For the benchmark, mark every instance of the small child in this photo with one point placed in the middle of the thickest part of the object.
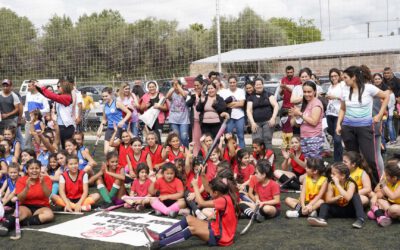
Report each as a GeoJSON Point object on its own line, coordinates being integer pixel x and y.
{"type": "Point", "coordinates": [267, 193]}
{"type": "Point", "coordinates": [26, 155]}
{"type": "Point", "coordinates": [261, 152]}
{"type": "Point", "coordinates": [138, 156]}
{"type": "Point", "coordinates": [74, 189]}
{"type": "Point", "coordinates": [246, 169]}
{"type": "Point", "coordinates": [36, 121]}
{"type": "Point", "coordinates": [342, 199]}
{"type": "Point", "coordinates": [312, 191]}
{"type": "Point", "coordinates": [7, 152]}
{"type": "Point", "coordinates": [3, 166]}
{"type": "Point", "coordinates": [139, 195]}
{"type": "Point", "coordinates": [385, 205]}
{"type": "Point", "coordinates": [9, 134]}
{"type": "Point", "coordinates": [206, 141]}
{"type": "Point", "coordinates": [44, 154]}
{"type": "Point", "coordinates": [287, 129]}
{"type": "Point", "coordinates": [173, 148]}
{"type": "Point", "coordinates": [54, 172]}
{"type": "Point", "coordinates": [356, 165]}
{"type": "Point", "coordinates": [154, 149]}
{"type": "Point", "coordinates": [9, 185]}
{"type": "Point", "coordinates": [170, 190]}
{"type": "Point", "coordinates": [123, 146]}
{"type": "Point", "coordinates": [230, 151]}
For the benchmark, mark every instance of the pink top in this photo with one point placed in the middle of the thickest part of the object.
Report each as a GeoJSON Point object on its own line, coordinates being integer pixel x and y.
{"type": "Point", "coordinates": [146, 99]}
{"type": "Point", "coordinates": [307, 130]}
{"type": "Point", "coordinates": [210, 114]}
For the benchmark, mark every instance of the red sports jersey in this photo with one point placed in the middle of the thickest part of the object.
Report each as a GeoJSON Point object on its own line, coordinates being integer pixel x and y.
{"type": "Point", "coordinates": [155, 156]}
{"type": "Point", "coordinates": [267, 191]}
{"type": "Point", "coordinates": [231, 160]}
{"type": "Point", "coordinates": [297, 169]}
{"type": "Point", "coordinates": [172, 156]}
{"type": "Point", "coordinates": [122, 153]}
{"type": "Point", "coordinates": [189, 178]}
{"type": "Point", "coordinates": [172, 187]}
{"type": "Point", "coordinates": [211, 171]}
{"type": "Point", "coordinates": [74, 188]}
{"type": "Point", "coordinates": [267, 156]}
{"type": "Point", "coordinates": [109, 180]}
{"type": "Point", "coordinates": [35, 195]}
{"type": "Point", "coordinates": [225, 219]}
{"type": "Point", "coordinates": [246, 172]}
{"type": "Point", "coordinates": [135, 161]}
{"type": "Point", "coordinates": [141, 189]}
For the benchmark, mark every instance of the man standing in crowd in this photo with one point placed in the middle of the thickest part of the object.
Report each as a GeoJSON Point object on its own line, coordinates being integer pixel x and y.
{"type": "Point", "coordinates": [9, 106]}
{"type": "Point", "coordinates": [86, 107]}
{"type": "Point", "coordinates": [394, 83]}
{"type": "Point", "coordinates": [287, 84]}
{"type": "Point", "coordinates": [34, 100]}
{"type": "Point", "coordinates": [234, 98]}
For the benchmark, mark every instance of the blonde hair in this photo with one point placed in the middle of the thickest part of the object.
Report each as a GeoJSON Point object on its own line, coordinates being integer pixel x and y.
{"type": "Point", "coordinates": [121, 89]}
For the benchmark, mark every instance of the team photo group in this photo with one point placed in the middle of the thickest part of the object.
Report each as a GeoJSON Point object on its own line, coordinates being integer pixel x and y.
{"type": "Point", "coordinates": [216, 163]}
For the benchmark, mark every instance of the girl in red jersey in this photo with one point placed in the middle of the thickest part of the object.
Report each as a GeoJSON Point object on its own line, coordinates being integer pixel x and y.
{"type": "Point", "coordinates": [231, 148]}
{"type": "Point", "coordinates": [296, 159]}
{"type": "Point", "coordinates": [123, 146]}
{"type": "Point", "coordinates": [154, 149]}
{"type": "Point", "coordinates": [138, 156]}
{"type": "Point", "coordinates": [260, 152]}
{"type": "Point", "coordinates": [86, 162]}
{"type": "Point", "coordinates": [246, 169]}
{"type": "Point", "coordinates": [266, 193]}
{"type": "Point", "coordinates": [33, 191]}
{"type": "Point", "coordinates": [219, 232]}
{"type": "Point", "coordinates": [206, 141]}
{"type": "Point", "coordinates": [173, 148]}
{"type": "Point", "coordinates": [110, 180]}
{"type": "Point", "coordinates": [74, 189]}
{"type": "Point", "coordinates": [139, 189]}
{"type": "Point", "coordinates": [170, 190]}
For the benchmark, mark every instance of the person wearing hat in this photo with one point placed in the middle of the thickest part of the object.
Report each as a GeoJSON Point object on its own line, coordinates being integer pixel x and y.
{"type": "Point", "coordinates": [9, 106]}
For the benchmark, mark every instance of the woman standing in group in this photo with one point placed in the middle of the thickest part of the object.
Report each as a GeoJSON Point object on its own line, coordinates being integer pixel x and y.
{"type": "Point", "coordinates": [152, 99]}
{"type": "Point", "coordinates": [195, 115]}
{"type": "Point", "coordinates": [262, 109]}
{"type": "Point", "coordinates": [355, 115]}
{"type": "Point", "coordinates": [131, 102]}
{"type": "Point", "coordinates": [64, 107]}
{"type": "Point", "coordinates": [211, 108]}
{"type": "Point", "coordinates": [334, 95]}
{"type": "Point", "coordinates": [112, 115]}
{"type": "Point", "coordinates": [310, 119]}
{"type": "Point", "coordinates": [179, 112]}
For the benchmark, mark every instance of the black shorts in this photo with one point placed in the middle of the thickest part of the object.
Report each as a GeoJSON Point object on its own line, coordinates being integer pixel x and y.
{"type": "Point", "coordinates": [168, 203]}
{"type": "Point", "coordinates": [33, 208]}
{"type": "Point", "coordinates": [74, 200]}
{"type": "Point", "coordinates": [213, 240]}
{"type": "Point", "coordinates": [110, 132]}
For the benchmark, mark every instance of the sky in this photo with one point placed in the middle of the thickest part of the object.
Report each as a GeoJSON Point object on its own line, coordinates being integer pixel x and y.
{"type": "Point", "coordinates": [348, 18]}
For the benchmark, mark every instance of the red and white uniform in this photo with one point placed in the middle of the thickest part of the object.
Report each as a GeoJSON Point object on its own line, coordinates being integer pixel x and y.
{"type": "Point", "coordinates": [231, 160]}
{"type": "Point", "coordinates": [156, 157]}
{"type": "Point", "coordinates": [74, 188]}
{"type": "Point", "coordinates": [269, 155]}
{"type": "Point", "coordinates": [172, 156]}
{"type": "Point", "coordinates": [122, 153]}
{"type": "Point", "coordinates": [135, 161]}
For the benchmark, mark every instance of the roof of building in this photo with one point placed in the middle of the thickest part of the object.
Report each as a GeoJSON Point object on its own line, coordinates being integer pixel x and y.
{"type": "Point", "coordinates": [309, 50]}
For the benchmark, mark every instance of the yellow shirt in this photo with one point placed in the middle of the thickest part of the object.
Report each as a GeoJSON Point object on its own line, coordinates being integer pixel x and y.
{"type": "Point", "coordinates": [87, 101]}
{"type": "Point", "coordinates": [313, 187]}
{"type": "Point", "coordinates": [356, 175]}
{"type": "Point", "coordinates": [342, 201]}
{"type": "Point", "coordinates": [393, 188]}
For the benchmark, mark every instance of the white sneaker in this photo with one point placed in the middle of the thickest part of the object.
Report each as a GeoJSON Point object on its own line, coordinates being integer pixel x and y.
{"type": "Point", "coordinates": [292, 214]}
{"type": "Point", "coordinates": [313, 214]}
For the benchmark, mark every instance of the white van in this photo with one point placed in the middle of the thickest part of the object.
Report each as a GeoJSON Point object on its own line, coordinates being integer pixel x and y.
{"type": "Point", "coordinates": [44, 82]}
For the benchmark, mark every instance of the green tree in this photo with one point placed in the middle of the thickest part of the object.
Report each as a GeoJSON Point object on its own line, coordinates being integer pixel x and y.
{"type": "Point", "coordinates": [303, 31]}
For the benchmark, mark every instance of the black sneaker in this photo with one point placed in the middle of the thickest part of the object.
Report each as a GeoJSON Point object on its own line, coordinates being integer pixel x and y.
{"type": "Point", "coordinates": [259, 217]}
{"type": "Point", "coordinates": [317, 222]}
{"type": "Point", "coordinates": [173, 214]}
{"type": "Point", "coordinates": [3, 230]}
{"type": "Point", "coordinates": [359, 223]}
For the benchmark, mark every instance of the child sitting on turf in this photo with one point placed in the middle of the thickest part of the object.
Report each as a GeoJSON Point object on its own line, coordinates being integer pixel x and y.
{"type": "Point", "coordinates": [173, 148]}
{"type": "Point", "coordinates": [260, 152]}
{"type": "Point", "coordinates": [356, 165]}
{"type": "Point", "coordinates": [312, 191]}
{"type": "Point", "coordinates": [139, 195]}
{"type": "Point", "coordinates": [154, 149]}
{"type": "Point", "coordinates": [246, 169]}
{"type": "Point", "coordinates": [3, 166]}
{"type": "Point", "coordinates": [110, 181]}
{"type": "Point", "coordinates": [206, 141]}
{"type": "Point", "coordinates": [139, 155]}
{"type": "Point", "coordinates": [74, 189]}
{"type": "Point", "coordinates": [26, 155]}
{"type": "Point", "coordinates": [230, 151]}
{"type": "Point", "coordinates": [267, 193]}
{"type": "Point", "coordinates": [7, 152]}
{"type": "Point", "coordinates": [7, 190]}
{"type": "Point", "coordinates": [54, 172]}
{"type": "Point", "coordinates": [9, 134]}
{"type": "Point", "coordinates": [342, 199]}
{"type": "Point", "coordinates": [385, 204]}
{"type": "Point", "coordinates": [170, 192]}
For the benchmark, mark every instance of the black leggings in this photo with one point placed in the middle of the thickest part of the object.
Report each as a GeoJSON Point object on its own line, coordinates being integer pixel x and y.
{"type": "Point", "coordinates": [354, 209]}
{"type": "Point", "coordinates": [211, 128]}
{"type": "Point", "coordinates": [66, 133]}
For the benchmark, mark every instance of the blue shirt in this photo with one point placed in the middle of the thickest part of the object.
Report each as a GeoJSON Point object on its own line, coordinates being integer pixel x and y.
{"type": "Point", "coordinates": [113, 114]}
{"type": "Point", "coordinates": [44, 158]}
{"type": "Point", "coordinates": [82, 161]}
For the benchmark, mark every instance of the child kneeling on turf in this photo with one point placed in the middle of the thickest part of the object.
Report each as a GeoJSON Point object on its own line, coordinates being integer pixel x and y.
{"type": "Point", "coordinates": [267, 193]}
{"type": "Point", "coordinates": [312, 191]}
{"type": "Point", "coordinates": [74, 189]}
{"type": "Point", "coordinates": [139, 196]}
{"type": "Point", "coordinates": [342, 199]}
{"type": "Point", "coordinates": [387, 206]}
{"type": "Point", "coordinates": [219, 232]}
{"type": "Point", "coordinates": [170, 190]}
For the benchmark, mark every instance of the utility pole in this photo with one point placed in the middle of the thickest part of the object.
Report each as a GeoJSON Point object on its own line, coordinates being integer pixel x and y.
{"type": "Point", "coordinates": [218, 39]}
{"type": "Point", "coordinates": [368, 23]}
{"type": "Point", "coordinates": [329, 19]}
{"type": "Point", "coordinates": [320, 15]}
{"type": "Point", "coordinates": [387, 17]}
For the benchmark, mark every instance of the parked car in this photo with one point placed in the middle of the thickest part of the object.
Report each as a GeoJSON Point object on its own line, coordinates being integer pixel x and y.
{"type": "Point", "coordinates": [44, 82]}
{"type": "Point", "coordinates": [96, 113]}
{"type": "Point", "coordinates": [94, 91]}
{"type": "Point", "coordinates": [397, 74]}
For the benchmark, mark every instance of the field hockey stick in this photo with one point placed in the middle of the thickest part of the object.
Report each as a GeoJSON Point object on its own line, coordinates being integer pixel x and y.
{"type": "Point", "coordinates": [253, 217]}
{"type": "Point", "coordinates": [216, 140]}
{"type": "Point", "coordinates": [95, 146]}
{"type": "Point", "coordinates": [111, 208]}
{"type": "Point", "coordinates": [71, 213]}
{"type": "Point", "coordinates": [290, 191]}
{"type": "Point", "coordinates": [17, 226]}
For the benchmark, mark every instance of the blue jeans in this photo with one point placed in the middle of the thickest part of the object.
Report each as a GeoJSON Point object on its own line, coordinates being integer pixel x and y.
{"type": "Point", "coordinates": [337, 139]}
{"type": "Point", "coordinates": [237, 124]}
{"type": "Point", "coordinates": [19, 137]}
{"type": "Point", "coordinates": [183, 132]}
{"type": "Point", "coordinates": [135, 128]}
{"type": "Point", "coordinates": [389, 124]}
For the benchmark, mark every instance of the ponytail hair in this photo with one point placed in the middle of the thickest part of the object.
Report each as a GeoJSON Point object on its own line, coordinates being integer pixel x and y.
{"type": "Point", "coordinates": [344, 170]}
{"type": "Point", "coordinates": [359, 161]}
{"type": "Point", "coordinates": [362, 75]}
{"type": "Point", "coordinates": [226, 187]}
{"type": "Point", "coordinates": [392, 169]}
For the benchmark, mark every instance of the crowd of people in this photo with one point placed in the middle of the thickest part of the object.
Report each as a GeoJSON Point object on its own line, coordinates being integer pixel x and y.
{"type": "Point", "coordinates": [211, 180]}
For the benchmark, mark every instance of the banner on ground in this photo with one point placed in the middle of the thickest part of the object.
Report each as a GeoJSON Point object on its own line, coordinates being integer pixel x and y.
{"type": "Point", "coordinates": [115, 227]}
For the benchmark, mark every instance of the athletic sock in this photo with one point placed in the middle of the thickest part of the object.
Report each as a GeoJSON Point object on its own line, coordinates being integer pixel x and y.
{"type": "Point", "coordinates": [174, 207]}
{"type": "Point", "coordinates": [9, 222]}
{"type": "Point", "coordinates": [114, 190]}
{"type": "Point", "coordinates": [176, 238]}
{"type": "Point", "coordinates": [34, 220]}
{"type": "Point", "coordinates": [103, 192]}
{"type": "Point", "coordinates": [298, 207]}
{"type": "Point", "coordinates": [175, 228]}
{"type": "Point", "coordinates": [159, 206]}
{"type": "Point", "coordinates": [246, 210]}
